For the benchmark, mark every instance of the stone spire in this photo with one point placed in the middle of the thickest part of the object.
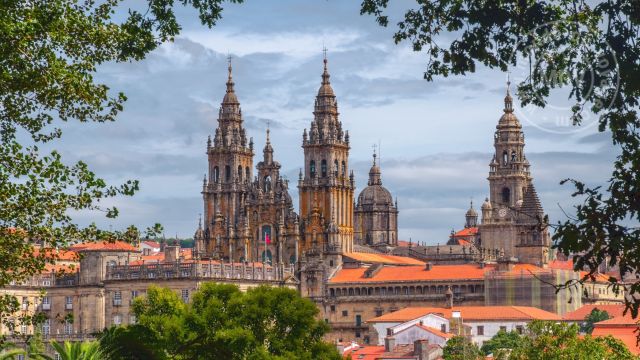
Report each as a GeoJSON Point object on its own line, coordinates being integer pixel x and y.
{"type": "Point", "coordinates": [375, 173]}
{"type": "Point", "coordinates": [531, 206]}
{"type": "Point", "coordinates": [230, 96]}
{"type": "Point", "coordinates": [268, 149]}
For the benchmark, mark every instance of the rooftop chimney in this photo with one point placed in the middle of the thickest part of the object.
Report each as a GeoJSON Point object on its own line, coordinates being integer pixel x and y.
{"type": "Point", "coordinates": [389, 343]}
{"type": "Point", "coordinates": [428, 266]}
{"type": "Point", "coordinates": [171, 253]}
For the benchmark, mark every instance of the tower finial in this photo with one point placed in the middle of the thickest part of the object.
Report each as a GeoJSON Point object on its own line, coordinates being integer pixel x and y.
{"type": "Point", "coordinates": [199, 221]}
{"type": "Point", "coordinates": [374, 154]}
{"type": "Point", "coordinates": [508, 101]}
{"type": "Point", "coordinates": [268, 130]}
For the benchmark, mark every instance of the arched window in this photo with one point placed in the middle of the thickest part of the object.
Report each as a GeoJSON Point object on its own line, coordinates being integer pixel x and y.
{"type": "Point", "coordinates": [239, 173]}
{"type": "Point", "coordinates": [506, 195]}
{"type": "Point", "coordinates": [323, 168]}
{"type": "Point", "coordinates": [513, 156]}
{"type": "Point", "coordinates": [505, 158]}
{"type": "Point", "coordinates": [247, 174]}
{"type": "Point", "coordinates": [335, 168]}
{"type": "Point", "coordinates": [344, 169]}
{"type": "Point", "coordinates": [227, 173]}
{"type": "Point", "coordinates": [312, 168]}
{"type": "Point", "coordinates": [216, 175]}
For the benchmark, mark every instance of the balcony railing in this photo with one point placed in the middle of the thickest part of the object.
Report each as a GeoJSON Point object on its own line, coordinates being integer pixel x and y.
{"type": "Point", "coordinates": [201, 270]}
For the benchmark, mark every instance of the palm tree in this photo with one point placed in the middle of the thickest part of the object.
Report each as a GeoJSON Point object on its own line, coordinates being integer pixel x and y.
{"type": "Point", "coordinates": [11, 354]}
{"type": "Point", "coordinates": [78, 350]}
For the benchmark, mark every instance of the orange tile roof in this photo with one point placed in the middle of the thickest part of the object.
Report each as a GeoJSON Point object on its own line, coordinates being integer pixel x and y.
{"type": "Point", "coordinates": [472, 231]}
{"type": "Point", "coordinates": [614, 311]}
{"type": "Point", "coordinates": [412, 273]}
{"type": "Point", "coordinates": [59, 255]}
{"type": "Point", "coordinates": [471, 313]}
{"type": "Point", "coordinates": [378, 353]}
{"type": "Point", "coordinates": [622, 328]}
{"type": "Point", "coordinates": [383, 258]}
{"type": "Point", "coordinates": [61, 268]}
{"type": "Point", "coordinates": [104, 246]}
{"type": "Point", "coordinates": [561, 264]}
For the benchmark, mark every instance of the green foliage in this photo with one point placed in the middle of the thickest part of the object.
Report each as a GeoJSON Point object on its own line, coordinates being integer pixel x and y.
{"type": "Point", "coordinates": [556, 40]}
{"type": "Point", "coordinates": [461, 348]}
{"type": "Point", "coordinates": [49, 56]}
{"type": "Point", "coordinates": [548, 340]}
{"type": "Point", "coordinates": [78, 350]}
{"type": "Point", "coordinates": [9, 352]}
{"type": "Point", "coordinates": [596, 315]}
{"type": "Point", "coordinates": [501, 343]}
{"type": "Point", "coordinates": [221, 322]}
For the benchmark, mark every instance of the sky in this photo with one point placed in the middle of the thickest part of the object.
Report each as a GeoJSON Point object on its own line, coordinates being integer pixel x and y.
{"type": "Point", "coordinates": [436, 138]}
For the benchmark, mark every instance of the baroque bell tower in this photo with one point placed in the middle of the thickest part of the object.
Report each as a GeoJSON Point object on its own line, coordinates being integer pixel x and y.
{"type": "Point", "coordinates": [230, 172]}
{"type": "Point", "coordinates": [326, 188]}
{"type": "Point", "coordinates": [512, 217]}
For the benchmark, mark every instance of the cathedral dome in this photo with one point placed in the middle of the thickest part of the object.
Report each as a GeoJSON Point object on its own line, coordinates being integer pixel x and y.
{"type": "Point", "coordinates": [375, 193]}
{"type": "Point", "coordinates": [471, 212]}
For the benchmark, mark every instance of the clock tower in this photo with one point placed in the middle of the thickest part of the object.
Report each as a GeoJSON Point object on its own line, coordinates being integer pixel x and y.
{"type": "Point", "coordinates": [512, 210]}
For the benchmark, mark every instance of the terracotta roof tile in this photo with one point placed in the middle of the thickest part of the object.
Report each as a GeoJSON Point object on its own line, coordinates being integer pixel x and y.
{"type": "Point", "coordinates": [104, 246]}
{"type": "Point", "coordinates": [412, 273]}
{"type": "Point", "coordinates": [471, 231]}
{"type": "Point", "coordinates": [614, 311]}
{"type": "Point", "coordinates": [622, 328]}
{"type": "Point", "coordinates": [468, 313]}
{"type": "Point", "coordinates": [383, 258]}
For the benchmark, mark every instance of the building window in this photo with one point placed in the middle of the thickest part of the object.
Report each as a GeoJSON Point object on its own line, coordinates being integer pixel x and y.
{"type": "Point", "coordinates": [117, 298]}
{"type": "Point", "coordinates": [443, 328]}
{"type": "Point", "coordinates": [312, 168]}
{"type": "Point", "coordinates": [333, 308]}
{"type": "Point", "coordinates": [23, 329]}
{"type": "Point", "coordinates": [25, 303]}
{"type": "Point", "coordinates": [68, 302]}
{"type": "Point", "coordinates": [117, 319]}
{"type": "Point", "coordinates": [216, 175]}
{"type": "Point", "coordinates": [480, 330]}
{"type": "Point", "coordinates": [336, 168]}
{"type": "Point", "coordinates": [46, 283]}
{"type": "Point", "coordinates": [56, 356]}
{"type": "Point", "coordinates": [68, 328]}
{"type": "Point", "coordinates": [358, 320]}
{"type": "Point", "coordinates": [132, 319]}
{"type": "Point", "coordinates": [503, 328]}
{"type": "Point", "coordinates": [185, 295]}
{"type": "Point", "coordinates": [519, 329]}
{"type": "Point", "coordinates": [379, 312]}
{"type": "Point", "coordinates": [344, 169]}
{"type": "Point", "coordinates": [323, 167]}
{"type": "Point", "coordinates": [46, 327]}
{"type": "Point", "coordinates": [358, 333]}
{"type": "Point", "coordinates": [345, 313]}
{"type": "Point", "coordinates": [227, 173]}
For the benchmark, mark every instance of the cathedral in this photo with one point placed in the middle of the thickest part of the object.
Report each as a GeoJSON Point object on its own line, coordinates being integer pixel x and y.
{"type": "Point", "coordinates": [251, 217]}
{"type": "Point", "coordinates": [249, 214]}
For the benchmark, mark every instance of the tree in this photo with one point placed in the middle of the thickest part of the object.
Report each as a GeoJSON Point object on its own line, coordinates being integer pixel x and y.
{"type": "Point", "coordinates": [501, 344]}
{"type": "Point", "coordinates": [49, 55]}
{"type": "Point", "coordinates": [78, 350]}
{"type": "Point", "coordinates": [556, 40]}
{"type": "Point", "coordinates": [461, 348]}
{"type": "Point", "coordinates": [596, 315]}
{"type": "Point", "coordinates": [548, 340]}
{"type": "Point", "coordinates": [222, 322]}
